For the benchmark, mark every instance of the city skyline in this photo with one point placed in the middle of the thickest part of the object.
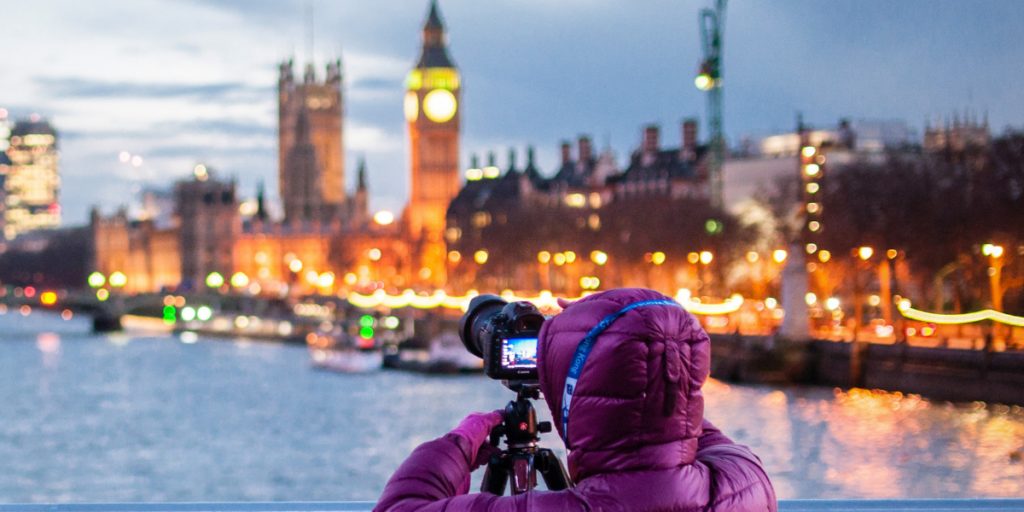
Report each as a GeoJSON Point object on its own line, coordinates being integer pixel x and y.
{"type": "Point", "coordinates": [207, 94]}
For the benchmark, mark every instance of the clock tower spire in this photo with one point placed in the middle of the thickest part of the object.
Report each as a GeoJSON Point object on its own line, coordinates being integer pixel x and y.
{"type": "Point", "coordinates": [433, 92]}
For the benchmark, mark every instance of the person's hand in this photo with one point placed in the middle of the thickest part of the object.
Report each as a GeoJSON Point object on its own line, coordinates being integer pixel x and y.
{"type": "Point", "coordinates": [475, 428]}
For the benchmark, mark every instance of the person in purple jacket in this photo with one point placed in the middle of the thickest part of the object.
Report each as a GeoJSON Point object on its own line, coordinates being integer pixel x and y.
{"type": "Point", "coordinates": [635, 430]}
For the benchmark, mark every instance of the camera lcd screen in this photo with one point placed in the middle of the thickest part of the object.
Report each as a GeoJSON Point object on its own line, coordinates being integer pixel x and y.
{"type": "Point", "coordinates": [519, 353]}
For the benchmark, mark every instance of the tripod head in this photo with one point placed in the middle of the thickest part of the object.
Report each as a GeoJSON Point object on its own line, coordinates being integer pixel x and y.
{"type": "Point", "coordinates": [519, 419]}
{"type": "Point", "coordinates": [521, 459]}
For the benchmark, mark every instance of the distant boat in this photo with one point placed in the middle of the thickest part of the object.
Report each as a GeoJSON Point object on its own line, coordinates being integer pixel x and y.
{"type": "Point", "coordinates": [340, 351]}
{"type": "Point", "coordinates": [347, 361]}
{"type": "Point", "coordinates": [445, 355]}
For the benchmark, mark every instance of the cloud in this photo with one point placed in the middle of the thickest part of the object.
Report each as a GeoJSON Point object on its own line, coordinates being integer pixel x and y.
{"type": "Point", "coordinates": [70, 87]}
{"type": "Point", "coordinates": [233, 127]}
{"type": "Point", "coordinates": [163, 131]}
{"type": "Point", "coordinates": [194, 150]}
{"type": "Point", "coordinates": [368, 138]}
{"type": "Point", "coordinates": [375, 83]}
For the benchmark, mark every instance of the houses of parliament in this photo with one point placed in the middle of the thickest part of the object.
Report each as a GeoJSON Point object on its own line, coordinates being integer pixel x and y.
{"type": "Point", "coordinates": [327, 237]}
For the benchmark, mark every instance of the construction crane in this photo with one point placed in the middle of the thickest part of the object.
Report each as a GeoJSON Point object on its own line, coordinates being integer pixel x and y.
{"type": "Point", "coordinates": [709, 80]}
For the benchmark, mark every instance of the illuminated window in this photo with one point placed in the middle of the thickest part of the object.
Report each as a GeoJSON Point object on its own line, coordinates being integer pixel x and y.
{"type": "Point", "coordinates": [481, 219]}
{"type": "Point", "coordinates": [576, 200]}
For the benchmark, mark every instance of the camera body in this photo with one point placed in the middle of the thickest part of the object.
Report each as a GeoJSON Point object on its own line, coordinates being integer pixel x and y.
{"type": "Point", "coordinates": [504, 334]}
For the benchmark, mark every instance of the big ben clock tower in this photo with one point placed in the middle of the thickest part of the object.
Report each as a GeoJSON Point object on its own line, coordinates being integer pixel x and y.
{"type": "Point", "coordinates": [432, 111]}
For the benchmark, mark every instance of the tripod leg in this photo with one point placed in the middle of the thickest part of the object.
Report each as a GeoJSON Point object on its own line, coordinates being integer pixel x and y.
{"type": "Point", "coordinates": [556, 478]}
{"type": "Point", "coordinates": [524, 475]}
{"type": "Point", "coordinates": [495, 477]}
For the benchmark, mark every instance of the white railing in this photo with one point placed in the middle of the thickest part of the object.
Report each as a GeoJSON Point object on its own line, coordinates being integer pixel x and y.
{"type": "Point", "coordinates": [933, 505]}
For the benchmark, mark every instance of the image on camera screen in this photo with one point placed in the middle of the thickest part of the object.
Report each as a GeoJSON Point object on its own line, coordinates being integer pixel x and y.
{"type": "Point", "coordinates": [519, 353]}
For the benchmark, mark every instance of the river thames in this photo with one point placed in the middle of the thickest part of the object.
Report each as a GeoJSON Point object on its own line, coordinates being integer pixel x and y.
{"type": "Point", "coordinates": [134, 417]}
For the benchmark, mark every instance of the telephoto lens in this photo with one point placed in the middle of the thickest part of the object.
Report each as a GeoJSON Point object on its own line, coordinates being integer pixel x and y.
{"type": "Point", "coordinates": [476, 327]}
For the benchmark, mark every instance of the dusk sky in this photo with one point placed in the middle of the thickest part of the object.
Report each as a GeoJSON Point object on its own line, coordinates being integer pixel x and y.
{"type": "Point", "coordinates": [186, 82]}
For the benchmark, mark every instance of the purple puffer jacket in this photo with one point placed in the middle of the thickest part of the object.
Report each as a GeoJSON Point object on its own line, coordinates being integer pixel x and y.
{"type": "Point", "coordinates": [637, 433]}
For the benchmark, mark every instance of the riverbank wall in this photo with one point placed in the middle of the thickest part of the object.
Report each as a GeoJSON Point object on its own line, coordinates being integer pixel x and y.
{"type": "Point", "coordinates": [937, 373]}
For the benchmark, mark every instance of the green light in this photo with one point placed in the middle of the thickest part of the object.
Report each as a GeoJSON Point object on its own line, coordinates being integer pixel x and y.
{"type": "Point", "coordinates": [366, 333]}
{"type": "Point", "coordinates": [366, 321]}
{"type": "Point", "coordinates": [96, 280]}
{"type": "Point", "coordinates": [713, 226]}
{"type": "Point", "coordinates": [170, 315]}
{"type": "Point", "coordinates": [214, 280]}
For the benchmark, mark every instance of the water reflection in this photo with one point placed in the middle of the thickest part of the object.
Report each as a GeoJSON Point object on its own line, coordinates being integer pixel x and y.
{"type": "Point", "coordinates": [874, 444]}
{"type": "Point", "coordinates": [99, 419]}
{"type": "Point", "coordinates": [48, 344]}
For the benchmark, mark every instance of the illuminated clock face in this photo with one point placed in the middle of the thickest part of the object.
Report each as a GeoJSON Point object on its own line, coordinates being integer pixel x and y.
{"type": "Point", "coordinates": [412, 107]}
{"type": "Point", "coordinates": [439, 105]}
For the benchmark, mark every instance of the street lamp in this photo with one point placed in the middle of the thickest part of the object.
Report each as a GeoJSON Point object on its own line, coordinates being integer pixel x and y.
{"type": "Point", "coordinates": [865, 252]}
{"type": "Point", "coordinates": [995, 270]}
{"type": "Point", "coordinates": [239, 280]}
{"type": "Point", "coordinates": [96, 280]}
{"type": "Point", "coordinates": [118, 279]}
{"type": "Point", "coordinates": [213, 280]}
{"type": "Point", "coordinates": [544, 270]}
{"type": "Point", "coordinates": [706, 257]}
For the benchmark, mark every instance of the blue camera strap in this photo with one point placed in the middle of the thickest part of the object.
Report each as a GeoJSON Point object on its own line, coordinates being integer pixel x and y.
{"type": "Point", "coordinates": [583, 351]}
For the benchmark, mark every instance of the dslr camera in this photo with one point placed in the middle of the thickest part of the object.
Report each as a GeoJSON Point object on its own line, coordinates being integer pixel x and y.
{"type": "Point", "coordinates": [504, 334]}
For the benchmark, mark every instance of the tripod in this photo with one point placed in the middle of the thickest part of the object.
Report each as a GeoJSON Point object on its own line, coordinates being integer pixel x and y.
{"type": "Point", "coordinates": [522, 459]}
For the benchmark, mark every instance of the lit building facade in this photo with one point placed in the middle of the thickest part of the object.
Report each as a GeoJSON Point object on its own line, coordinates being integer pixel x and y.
{"type": "Point", "coordinates": [957, 135]}
{"type": "Point", "coordinates": [32, 184]}
{"type": "Point", "coordinates": [432, 111]}
{"type": "Point", "coordinates": [280, 259]}
{"type": "Point", "coordinates": [311, 163]}
{"type": "Point", "coordinates": [5, 168]}
{"type": "Point", "coordinates": [207, 210]}
{"type": "Point", "coordinates": [328, 240]}
{"type": "Point", "coordinates": [147, 254]}
{"type": "Point", "coordinates": [614, 226]}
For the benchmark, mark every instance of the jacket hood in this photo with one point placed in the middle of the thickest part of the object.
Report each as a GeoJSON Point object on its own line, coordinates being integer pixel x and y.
{"type": "Point", "coordinates": [638, 402]}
